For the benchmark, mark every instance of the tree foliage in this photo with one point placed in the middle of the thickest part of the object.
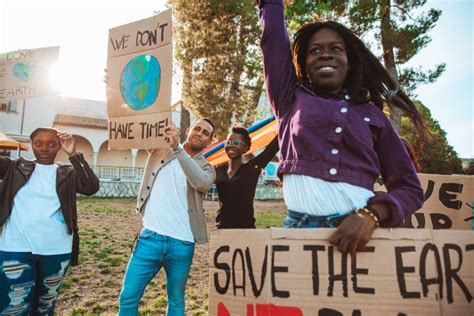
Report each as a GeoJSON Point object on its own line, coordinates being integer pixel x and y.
{"type": "Point", "coordinates": [187, 19]}
{"type": "Point", "coordinates": [217, 47]}
{"type": "Point", "coordinates": [437, 156]}
{"type": "Point", "coordinates": [402, 35]}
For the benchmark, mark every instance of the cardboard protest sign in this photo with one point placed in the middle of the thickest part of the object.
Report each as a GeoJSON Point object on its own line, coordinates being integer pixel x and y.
{"type": "Point", "coordinates": [448, 202]}
{"type": "Point", "coordinates": [295, 272]}
{"type": "Point", "coordinates": [139, 62]}
{"type": "Point", "coordinates": [25, 73]}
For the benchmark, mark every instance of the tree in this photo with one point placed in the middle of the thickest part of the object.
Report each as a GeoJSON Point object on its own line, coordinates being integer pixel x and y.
{"type": "Point", "coordinates": [218, 53]}
{"type": "Point", "coordinates": [402, 35]}
{"type": "Point", "coordinates": [436, 157]}
{"type": "Point", "coordinates": [187, 15]}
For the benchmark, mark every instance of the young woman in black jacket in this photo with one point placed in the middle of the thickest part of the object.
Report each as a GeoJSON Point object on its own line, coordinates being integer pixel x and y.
{"type": "Point", "coordinates": [39, 239]}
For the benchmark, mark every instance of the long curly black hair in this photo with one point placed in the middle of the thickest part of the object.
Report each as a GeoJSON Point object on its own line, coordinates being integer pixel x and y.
{"type": "Point", "coordinates": [367, 79]}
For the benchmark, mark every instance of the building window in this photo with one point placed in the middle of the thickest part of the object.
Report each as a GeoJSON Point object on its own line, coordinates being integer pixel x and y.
{"type": "Point", "coordinates": [8, 107]}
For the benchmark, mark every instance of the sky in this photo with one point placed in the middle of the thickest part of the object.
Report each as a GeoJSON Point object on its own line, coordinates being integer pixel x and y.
{"type": "Point", "coordinates": [81, 30]}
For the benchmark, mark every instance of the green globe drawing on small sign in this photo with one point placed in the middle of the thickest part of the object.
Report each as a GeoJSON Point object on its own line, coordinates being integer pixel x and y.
{"type": "Point", "coordinates": [140, 82]}
{"type": "Point", "coordinates": [23, 71]}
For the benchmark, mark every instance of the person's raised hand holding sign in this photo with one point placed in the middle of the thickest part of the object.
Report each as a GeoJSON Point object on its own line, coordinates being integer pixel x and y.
{"type": "Point", "coordinates": [172, 136]}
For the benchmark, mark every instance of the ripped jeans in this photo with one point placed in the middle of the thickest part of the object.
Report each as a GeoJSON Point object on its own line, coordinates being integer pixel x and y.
{"type": "Point", "coordinates": [29, 284]}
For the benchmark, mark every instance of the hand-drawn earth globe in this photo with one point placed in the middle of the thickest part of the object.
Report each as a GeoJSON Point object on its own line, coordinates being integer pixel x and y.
{"type": "Point", "coordinates": [140, 81]}
{"type": "Point", "coordinates": [23, 71]}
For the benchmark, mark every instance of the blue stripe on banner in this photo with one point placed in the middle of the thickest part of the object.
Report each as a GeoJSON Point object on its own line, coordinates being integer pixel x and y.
{"type": "Point", "coordinates": [213, 150]}
{"type": "Point", "coordinates": [260, 124]}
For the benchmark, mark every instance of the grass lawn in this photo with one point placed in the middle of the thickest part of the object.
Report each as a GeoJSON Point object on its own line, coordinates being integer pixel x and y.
{"type": "Point", "coordinates": [107, 228]}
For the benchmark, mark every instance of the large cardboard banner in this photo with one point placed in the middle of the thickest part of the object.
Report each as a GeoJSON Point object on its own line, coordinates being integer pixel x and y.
{"type": "Point", "coordinates": [25, 73]}
{"type": "Point", "coordinates": [448, 202]}
{"type": "Point", "coordinates": [296, 272]}
{"type": "Point", "coordinates": [140, 57]}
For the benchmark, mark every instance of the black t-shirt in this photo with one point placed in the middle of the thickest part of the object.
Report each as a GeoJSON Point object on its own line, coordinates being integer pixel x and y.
{"type": "Point", "coordinates": [236, 194]}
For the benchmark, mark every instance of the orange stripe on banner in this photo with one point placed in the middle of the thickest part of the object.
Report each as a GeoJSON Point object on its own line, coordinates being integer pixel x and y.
{"type": "Point", "coordinates": [260, 139]}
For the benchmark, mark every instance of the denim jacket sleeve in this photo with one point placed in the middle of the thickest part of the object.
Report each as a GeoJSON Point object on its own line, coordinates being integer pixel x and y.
{"type": "Point", "coordinates": [404, 192]}
{"type": "Point", "coordinates": [279, 72]}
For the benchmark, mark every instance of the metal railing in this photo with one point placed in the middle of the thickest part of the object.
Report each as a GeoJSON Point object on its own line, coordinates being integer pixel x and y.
{"type": "Point", "coordinates": [130, 173]}
{"type": "Point", "coordinates": [118, 173]}
{"type": "Point", "coordinates": [212, 195]}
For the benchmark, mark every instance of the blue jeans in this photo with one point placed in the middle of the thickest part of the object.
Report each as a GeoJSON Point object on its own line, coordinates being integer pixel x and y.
{"type": "Point", "coordinates": [29, 284]}
{"type": "Point", "coordinates": [152, 252]}
{"type": "Point", "coordinates": [299, 220]}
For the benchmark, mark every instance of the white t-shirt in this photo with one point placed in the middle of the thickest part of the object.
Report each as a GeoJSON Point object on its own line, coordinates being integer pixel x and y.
{"type": "Point", "coordinates": [166, 211]}
{"type": "Point", "coordinates": [313, 196]}
{"type": "Point", "coordinates": [36, 223]}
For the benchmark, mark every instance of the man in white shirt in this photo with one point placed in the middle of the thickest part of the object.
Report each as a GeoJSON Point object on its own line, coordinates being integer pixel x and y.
{"type": "Point", "coordinates": [170, 200]}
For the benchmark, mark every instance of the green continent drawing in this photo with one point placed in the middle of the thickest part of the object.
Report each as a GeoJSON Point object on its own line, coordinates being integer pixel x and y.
{"type": "Point", "coordinates": [140, 81]}
{"type": "Point", "coordinates": [23, 71]}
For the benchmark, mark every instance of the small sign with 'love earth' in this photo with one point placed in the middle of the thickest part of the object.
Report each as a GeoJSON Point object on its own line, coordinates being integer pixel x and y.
{"type": "Point", "coordinates": [25, 73]}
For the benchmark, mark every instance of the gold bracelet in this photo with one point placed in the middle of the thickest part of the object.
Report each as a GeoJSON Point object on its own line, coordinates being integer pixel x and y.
{"type": "Point", "coordinates": [371, 215]}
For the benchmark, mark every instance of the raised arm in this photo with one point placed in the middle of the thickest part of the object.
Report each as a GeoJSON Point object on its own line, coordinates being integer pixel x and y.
{"type": "Point", "coordinates": [201, 178]}
{"type": "Point", "coordinates": [266, 156]}
{"type": "Point", "coordinates": [87, 182]}
{"type": "Point", "coordinates": [280, 78]}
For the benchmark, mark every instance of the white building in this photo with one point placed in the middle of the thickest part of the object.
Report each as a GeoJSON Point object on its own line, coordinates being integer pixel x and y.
{"type": "Point", "coordinates": [86, 120]}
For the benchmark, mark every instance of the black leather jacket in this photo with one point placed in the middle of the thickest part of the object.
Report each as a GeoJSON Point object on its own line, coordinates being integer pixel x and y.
{"type": "Point", "coordinates": [71, 179]}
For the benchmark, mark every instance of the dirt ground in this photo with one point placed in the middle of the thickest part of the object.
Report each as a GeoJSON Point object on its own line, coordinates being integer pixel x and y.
{"type": "Point", "coordinates": [107, 229]}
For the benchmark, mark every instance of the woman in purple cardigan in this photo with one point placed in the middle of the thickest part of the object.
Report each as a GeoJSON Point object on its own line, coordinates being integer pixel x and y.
{"type": "Point", "coordinates": [328, 95]}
